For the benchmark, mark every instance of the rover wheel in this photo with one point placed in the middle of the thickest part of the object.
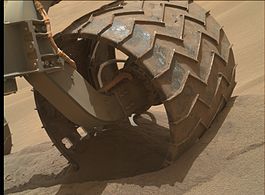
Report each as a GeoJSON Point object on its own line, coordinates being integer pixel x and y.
{"type": "Point", "coordinates": [176, 49]}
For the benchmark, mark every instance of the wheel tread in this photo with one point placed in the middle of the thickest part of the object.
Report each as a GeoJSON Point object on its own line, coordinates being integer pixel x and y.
{"type": "Point", "coordinates": [198, 46]}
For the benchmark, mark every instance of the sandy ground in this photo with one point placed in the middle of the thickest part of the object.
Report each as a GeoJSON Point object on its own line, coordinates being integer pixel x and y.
{"type": "Point", "coordinates": [229, 159]}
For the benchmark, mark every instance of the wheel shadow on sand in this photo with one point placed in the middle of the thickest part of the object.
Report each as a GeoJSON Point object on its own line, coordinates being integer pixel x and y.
{"type": "Point", "coordinates": [119, 154]}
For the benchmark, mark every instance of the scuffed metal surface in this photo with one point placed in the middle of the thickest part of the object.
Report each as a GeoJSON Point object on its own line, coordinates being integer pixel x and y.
{"type": "Point", "coordinates": [177, 76]}
{"type": "Point", "coordinates": [141, 40]}
{"type": "Point", "coordinates": [160, 55]}
{"type": "Point", "coordinates": [119, 28]}
{"type": "Point", "coordinates": [139, 34]}
{"type": "Point", "coordinates": [118, 31]}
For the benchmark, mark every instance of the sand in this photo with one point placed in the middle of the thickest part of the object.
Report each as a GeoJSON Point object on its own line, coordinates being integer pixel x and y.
{"type": "Point", "coordinates": [229, 159]}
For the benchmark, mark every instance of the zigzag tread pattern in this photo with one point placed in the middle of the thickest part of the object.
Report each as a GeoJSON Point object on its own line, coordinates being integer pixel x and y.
{"type": "Point", "coordinates": [198, 111]}
{"type": "Point", "coordinates": [100, 26]}
{"type": "Point", "coordinates": [129, 26]}
{"type": "Point", "coordinates": [194, 105]}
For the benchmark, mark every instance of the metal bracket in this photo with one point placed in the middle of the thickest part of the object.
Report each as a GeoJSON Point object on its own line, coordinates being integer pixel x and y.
{"type": "Point", "coordinates": [27, 49]}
